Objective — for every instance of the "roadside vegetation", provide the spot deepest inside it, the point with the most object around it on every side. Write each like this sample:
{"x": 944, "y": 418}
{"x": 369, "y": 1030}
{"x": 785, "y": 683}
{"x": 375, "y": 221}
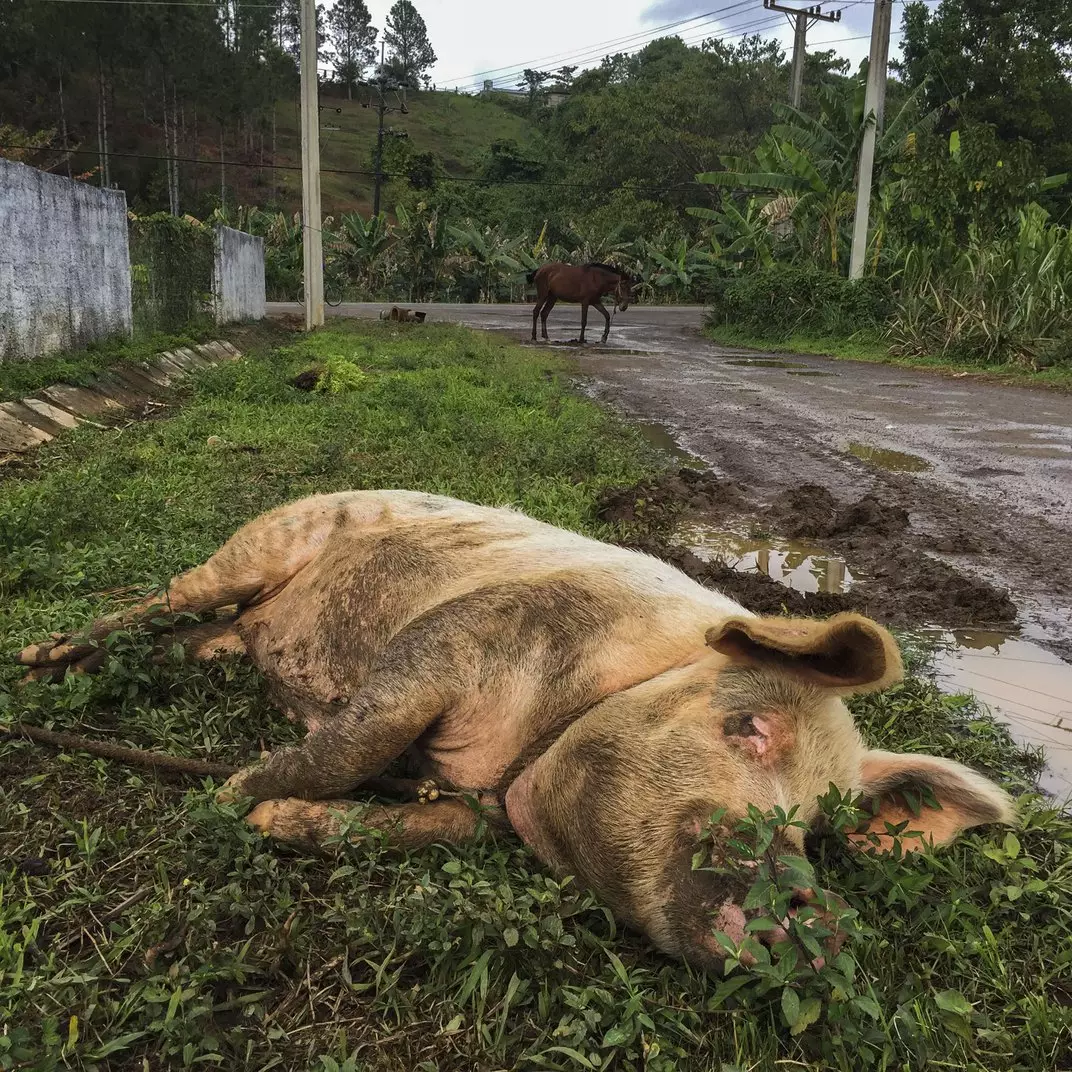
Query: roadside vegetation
{"x": 142, "y": 925}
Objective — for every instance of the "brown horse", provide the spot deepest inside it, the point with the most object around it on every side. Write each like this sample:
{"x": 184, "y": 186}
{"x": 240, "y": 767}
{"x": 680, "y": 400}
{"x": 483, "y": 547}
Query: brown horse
{"x": 558, "y": 281}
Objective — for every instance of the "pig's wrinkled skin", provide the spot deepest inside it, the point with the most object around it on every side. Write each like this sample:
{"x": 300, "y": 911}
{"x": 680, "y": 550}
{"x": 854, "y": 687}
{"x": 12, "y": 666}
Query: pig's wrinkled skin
{"x": 609, "y": 703}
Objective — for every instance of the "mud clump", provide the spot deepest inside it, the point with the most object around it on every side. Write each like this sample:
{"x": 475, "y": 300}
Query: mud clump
{"x": 811, "y": 512}
{"x": 656, "y": 504}
{"x": 897, "y": 582}
{"x": 918, "y": 588}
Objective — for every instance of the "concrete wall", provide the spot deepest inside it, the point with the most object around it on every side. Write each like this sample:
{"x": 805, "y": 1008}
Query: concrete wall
{"x": 238, "y": 277}
{"x": 64, "y": 263}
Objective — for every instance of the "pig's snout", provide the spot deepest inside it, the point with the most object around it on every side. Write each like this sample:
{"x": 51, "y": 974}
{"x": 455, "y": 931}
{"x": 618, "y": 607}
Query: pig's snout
{"x": 732, "y": 920}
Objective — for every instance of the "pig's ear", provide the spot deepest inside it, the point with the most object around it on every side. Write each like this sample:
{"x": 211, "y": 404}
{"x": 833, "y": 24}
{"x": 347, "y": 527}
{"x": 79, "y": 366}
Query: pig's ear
{"x": 905, "y": 788}
{"x": 847, "y": 653}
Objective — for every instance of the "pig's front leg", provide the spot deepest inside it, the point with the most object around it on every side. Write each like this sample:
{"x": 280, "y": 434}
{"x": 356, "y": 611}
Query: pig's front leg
{"x": 417, "y": 678}
{"x": 408, "y": 826}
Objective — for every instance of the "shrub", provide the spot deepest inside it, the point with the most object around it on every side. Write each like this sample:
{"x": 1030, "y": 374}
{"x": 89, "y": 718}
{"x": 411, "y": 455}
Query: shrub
{"x": 784, "y": 300}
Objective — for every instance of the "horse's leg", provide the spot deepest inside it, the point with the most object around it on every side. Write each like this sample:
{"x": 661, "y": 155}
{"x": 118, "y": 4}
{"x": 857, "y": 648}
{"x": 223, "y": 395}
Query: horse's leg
{"x": 597, "y": 304}
{"x": 535, "y": 313}
{"x": 547, "y": 307}
{"x": 584, "y": 319}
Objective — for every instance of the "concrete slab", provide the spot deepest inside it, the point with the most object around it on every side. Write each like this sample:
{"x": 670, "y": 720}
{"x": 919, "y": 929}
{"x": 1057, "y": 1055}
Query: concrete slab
{"x": 137, "y": 380}
{"x": 54, "y": 414}
{"x": 196, "y": 358}
{"x": 81, "y": 401}
{"x": 184, "y": 359}
{"x": 155, "y": 374}
{"x": 25, "y": 415}
{"x": 16, "y": 437}
{"x": 168, "y": 365}
{"x": 111, "y": 386}
{"x": 211, "y": 352}
{"x": 230, "y": 348}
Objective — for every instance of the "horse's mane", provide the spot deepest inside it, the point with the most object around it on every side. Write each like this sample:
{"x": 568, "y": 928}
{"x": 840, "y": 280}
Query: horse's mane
{"x": 608, "y": 268}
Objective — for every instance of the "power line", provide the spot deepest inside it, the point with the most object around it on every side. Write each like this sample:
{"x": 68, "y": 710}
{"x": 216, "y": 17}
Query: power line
{"x": 215, "y": 162}
{"x": 584, "y": 49}
{"x": 743, "y": 29}
{"x": 593, "y": 53}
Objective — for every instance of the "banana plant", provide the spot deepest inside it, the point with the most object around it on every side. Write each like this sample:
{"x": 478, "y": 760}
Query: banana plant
{"x": 362, "y": 247}
{"x": 489, "y": 258}
{"x": 421, "y": 251}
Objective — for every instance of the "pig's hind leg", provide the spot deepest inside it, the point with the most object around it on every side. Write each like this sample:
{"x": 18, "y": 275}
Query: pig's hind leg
{"x": 254, "y": 564}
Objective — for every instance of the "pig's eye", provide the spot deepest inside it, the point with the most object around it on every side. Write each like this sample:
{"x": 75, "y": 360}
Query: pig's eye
{"x": 739, "y": 726}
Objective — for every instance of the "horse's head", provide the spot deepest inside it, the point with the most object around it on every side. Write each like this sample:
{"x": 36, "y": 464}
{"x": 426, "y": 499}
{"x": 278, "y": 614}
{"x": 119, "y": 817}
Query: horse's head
{"x": 623, "y": 292}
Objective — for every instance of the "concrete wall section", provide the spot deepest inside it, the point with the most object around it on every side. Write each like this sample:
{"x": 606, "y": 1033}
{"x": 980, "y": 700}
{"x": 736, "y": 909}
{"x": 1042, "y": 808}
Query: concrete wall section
{"x": 238, "y": 278}
{"x": 64, "y": 263}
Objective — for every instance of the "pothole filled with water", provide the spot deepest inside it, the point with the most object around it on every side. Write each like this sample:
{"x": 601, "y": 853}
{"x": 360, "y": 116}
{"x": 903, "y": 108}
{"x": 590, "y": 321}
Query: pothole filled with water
{"x": 809, "y": 372}
{"x": 1024, "y": 685}
{"x": 764, "y": 362}
{"x": 893, "y": 460}
{"x": 800, "y": 566}
{"x": 658, "y": 435}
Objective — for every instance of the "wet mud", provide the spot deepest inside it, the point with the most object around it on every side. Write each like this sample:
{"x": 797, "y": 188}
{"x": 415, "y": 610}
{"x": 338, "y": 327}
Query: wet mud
{"x": 893, "y": 577}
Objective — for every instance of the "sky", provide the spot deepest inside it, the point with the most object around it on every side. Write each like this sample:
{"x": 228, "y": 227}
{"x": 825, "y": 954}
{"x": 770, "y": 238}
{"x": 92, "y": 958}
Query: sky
{"x": 477, "y": 39}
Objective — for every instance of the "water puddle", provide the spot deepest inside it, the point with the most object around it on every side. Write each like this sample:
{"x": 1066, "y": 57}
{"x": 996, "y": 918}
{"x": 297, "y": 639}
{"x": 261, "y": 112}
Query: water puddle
{"x": 809, "y": 372}
{"x": 658, "y": 435}
{"x": 764, "y": 362}
{"x": 800, "y": 566}
{"x": 912, "y": 385}
{"x": 894, "y": 460}
{"x": 1024, "y": 685}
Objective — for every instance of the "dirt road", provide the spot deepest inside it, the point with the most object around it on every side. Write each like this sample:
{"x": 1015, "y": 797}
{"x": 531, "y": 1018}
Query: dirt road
{"x": 926, "y": 500}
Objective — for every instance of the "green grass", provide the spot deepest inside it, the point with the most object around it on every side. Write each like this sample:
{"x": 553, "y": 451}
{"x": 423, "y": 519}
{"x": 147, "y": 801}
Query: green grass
{"x": 143, "y": 926}
{"x": 21, "y": 378}
{"x": 866, "y": 347}
{"x": 456, "y": 127}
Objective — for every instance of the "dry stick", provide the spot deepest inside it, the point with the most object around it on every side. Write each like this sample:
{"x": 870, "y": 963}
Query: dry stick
{"x": 200, "y": 768}
{"x": 135, "y": 757}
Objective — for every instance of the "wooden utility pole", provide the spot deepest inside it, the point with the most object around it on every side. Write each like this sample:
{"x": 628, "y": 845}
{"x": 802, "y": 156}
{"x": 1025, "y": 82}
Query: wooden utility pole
{"x": 800, "y": 19}
{"x": 312, "y": 236}
{"x": 874, "y": 105}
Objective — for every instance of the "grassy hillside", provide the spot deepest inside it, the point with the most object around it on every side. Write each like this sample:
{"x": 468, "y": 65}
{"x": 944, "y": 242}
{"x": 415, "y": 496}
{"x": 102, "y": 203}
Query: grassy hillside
{"x": 456, "y": 128}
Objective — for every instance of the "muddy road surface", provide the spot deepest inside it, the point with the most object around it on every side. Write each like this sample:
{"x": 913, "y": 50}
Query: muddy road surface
{"x": 928, "y": 501}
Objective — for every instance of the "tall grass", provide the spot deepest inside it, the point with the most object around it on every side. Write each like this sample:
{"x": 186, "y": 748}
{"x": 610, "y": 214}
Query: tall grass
{"x": 1003, "y": 301}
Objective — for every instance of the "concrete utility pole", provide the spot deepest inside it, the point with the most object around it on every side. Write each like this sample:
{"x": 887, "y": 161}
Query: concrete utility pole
{"x": 874, "y": 103}
{"x": 800, "y": 19}
{"x": 312, "y": 236}
{"x": 381, "y": 108}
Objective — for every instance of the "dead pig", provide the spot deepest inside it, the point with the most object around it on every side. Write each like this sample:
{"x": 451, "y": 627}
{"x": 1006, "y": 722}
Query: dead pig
{"x": 604, "y": 703}
{"x": 403, "y": 316}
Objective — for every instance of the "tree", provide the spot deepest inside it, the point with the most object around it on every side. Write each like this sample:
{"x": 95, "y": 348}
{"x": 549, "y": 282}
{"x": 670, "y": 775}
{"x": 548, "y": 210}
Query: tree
{"x": 1004, "y": 62}
{"x": 407, "y": 37}
{"x": 353, "y": 37}
{"x": 532, "y": 80}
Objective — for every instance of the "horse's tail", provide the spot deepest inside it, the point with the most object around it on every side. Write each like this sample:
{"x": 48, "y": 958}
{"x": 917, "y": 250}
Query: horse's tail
{"x": 531, "y": 277}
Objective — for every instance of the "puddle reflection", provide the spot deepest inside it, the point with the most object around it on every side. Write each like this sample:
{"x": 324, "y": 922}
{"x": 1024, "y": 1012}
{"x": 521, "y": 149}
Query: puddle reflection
{"x": 800, "y": 566}
{"x": 894, "y": 460}
{"x": 1026, "y": 686}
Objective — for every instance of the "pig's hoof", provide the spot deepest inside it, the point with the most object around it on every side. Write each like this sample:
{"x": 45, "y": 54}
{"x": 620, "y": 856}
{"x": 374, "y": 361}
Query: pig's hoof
{"x": 270, "y": 814}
